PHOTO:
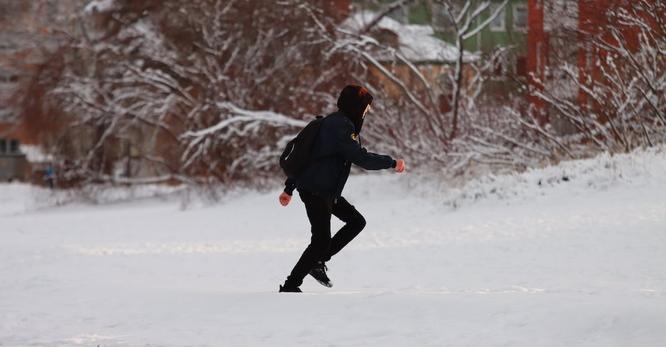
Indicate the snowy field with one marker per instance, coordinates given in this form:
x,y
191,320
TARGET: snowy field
x,y
573,255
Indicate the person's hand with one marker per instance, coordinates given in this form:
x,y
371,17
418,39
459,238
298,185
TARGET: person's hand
x,y
284,199
399,165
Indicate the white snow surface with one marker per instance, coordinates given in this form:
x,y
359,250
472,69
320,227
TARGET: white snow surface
x,y
503,261
35,154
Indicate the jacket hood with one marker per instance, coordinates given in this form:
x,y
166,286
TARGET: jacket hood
x,y
352,102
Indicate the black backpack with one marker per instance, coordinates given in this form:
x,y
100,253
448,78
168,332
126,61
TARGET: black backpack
x,y
297,155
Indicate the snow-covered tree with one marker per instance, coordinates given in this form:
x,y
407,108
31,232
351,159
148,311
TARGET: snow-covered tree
x,y
615,101
437,109
189,91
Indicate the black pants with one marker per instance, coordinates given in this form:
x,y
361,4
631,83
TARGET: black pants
x,y
322,246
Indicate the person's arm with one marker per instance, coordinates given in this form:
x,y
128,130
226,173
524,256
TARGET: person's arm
x,y
285,196
350,148
289,185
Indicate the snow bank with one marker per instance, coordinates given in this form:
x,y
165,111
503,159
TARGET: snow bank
x,y
15,197
573,178
18,198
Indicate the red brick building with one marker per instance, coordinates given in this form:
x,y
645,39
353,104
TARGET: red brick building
x,y
26,37
561,31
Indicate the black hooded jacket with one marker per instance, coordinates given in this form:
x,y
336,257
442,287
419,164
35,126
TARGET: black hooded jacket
x,y
336,147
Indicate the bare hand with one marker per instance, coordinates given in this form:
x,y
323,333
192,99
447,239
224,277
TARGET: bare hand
x,y
399,165
284,199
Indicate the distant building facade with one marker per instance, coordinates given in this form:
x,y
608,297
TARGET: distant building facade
x,y
560,32
13,163
26,37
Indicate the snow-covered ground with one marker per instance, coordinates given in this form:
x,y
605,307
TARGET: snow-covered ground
x,y
572,255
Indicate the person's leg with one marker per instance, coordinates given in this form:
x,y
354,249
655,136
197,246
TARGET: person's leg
x,y
319,213
354,223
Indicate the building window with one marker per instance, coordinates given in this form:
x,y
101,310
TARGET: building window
x,y
13,146
8,46
9,78
3,146
520,17
499,22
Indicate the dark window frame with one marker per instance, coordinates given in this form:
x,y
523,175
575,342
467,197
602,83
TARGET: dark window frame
x,y
14,146
525,10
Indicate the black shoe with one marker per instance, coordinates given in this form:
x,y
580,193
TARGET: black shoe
x,y
318,271
287,289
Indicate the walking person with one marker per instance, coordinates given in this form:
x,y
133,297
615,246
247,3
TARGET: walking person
x,y
49,175
336,146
